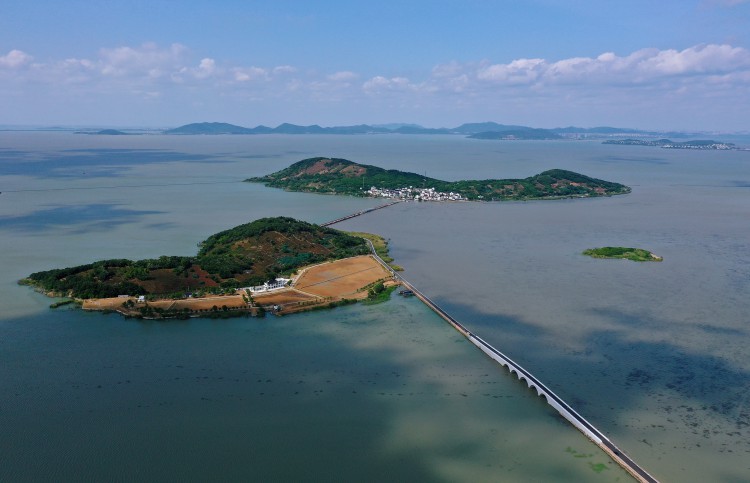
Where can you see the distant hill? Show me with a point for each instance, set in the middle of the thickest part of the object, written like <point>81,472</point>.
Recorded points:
<point>480,127</point>
<point>527,133</point>
<point>422,130</point>
<point>341,176</point>
<point>210,128</point>
<point>285,128</point>
<point>245,255</point>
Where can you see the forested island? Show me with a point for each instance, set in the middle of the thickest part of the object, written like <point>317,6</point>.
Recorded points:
<point>341,176</point>
<point>247,255</point>
<point>517,134</point>
<point>627,253</point>
<point>668,144</point>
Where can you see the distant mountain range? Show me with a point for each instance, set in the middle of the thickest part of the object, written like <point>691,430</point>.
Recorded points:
<point>481,130</point>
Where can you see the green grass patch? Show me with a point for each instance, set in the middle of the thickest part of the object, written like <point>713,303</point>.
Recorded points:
<point>379,294</point>
<point>627,253</point>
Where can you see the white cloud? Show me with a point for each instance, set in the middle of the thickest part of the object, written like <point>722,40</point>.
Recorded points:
<point>641,66</point>
<point>246,74</point>
<point>698,59</point>
<point>284,69</point>
<point>380,84</point>
<point>146,59</point>
<point>702,73</point>
<point>521,71</point>
<point>206,68</point>
<point>343,76</point>
<point>14,59</point>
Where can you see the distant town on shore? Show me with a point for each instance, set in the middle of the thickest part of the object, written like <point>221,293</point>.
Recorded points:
<point>703,144</point>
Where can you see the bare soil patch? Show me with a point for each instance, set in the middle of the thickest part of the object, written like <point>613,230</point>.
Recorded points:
<point>282,297</point>
<point>341,278</point>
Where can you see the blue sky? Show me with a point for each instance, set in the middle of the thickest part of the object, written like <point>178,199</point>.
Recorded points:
<point>547,63</point>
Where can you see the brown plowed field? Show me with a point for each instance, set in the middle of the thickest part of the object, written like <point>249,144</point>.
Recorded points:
<point>281,297</point>
<point>341,278</point>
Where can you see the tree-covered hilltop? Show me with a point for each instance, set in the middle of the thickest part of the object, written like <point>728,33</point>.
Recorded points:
<point>245,255</point>
<point>340,176</point>
<point>210,128</point>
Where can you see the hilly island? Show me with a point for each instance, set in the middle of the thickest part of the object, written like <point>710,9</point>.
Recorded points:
<point>344,177</point>
<point>247,269</point>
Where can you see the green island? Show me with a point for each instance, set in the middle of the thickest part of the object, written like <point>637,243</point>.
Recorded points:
<point>269,265</point>
<point>634,254</point>
<point>344,177</point>
<point>247,255</point>
<point>517,134</point>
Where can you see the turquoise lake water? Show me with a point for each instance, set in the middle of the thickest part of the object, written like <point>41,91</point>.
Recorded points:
<point>653,354</point>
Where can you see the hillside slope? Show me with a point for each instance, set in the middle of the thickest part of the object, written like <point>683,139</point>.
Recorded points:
<point>340,176</point>
<point>246,255</point>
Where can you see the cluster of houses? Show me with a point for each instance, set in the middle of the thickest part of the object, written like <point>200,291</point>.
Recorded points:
<point>688,145</point>
<point>266,287</point>
<point>416,194</point>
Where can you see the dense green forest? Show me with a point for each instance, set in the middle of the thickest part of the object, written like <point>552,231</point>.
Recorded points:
<point>245,255</point>
<point>340,176</point>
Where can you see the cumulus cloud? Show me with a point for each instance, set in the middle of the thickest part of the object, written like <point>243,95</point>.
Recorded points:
<point>284,69</point>
<point>343,76</point>
<point>246,74</point>
<point>147,59</point>
<point>380,84</point>
<point>639,67</point>
<point>206,68</point>
<point>14,59</point>
<point>150,71</point>
<point>521,71</point>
